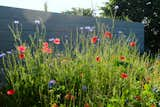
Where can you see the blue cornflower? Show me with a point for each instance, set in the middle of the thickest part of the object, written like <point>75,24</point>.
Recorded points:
<point>37,22</point>
<point>126,101</point>
<point>155,90</point>
<point>16,22</point>
<point>81,28</point>
<point>90,30</point>
<point>2,55</point>
<point>116,7</point>
<point>87,27</point>
<point>51,83</point>
<point>8,52</point>
<point>84,88</point>
<point>50,39</point>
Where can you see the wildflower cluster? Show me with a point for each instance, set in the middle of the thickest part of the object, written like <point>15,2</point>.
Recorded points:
<point>102,73</point>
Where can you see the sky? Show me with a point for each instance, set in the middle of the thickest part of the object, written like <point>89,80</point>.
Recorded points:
<point>53,5</point>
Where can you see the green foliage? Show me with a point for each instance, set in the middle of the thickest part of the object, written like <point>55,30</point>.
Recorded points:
<point>146,11</point>
<point>132,9</point>
<point>79,12</point>
<point>82,79</point>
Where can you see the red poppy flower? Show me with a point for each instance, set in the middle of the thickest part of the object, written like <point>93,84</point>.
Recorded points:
<point>138,98</point>
<point>86,105</point>
<point>108,35</point>
<point>94,39</point>
<point>56,41</point>
<point>122,58</point>
<point>148,79</point>
<point>10,92</point>
<point>132,44</point>
<point>49,50</point>
<point>124,75</point>
<point>153,105</point>
<point>45,44</point>
<point>21,48</point>
<point>21,56</point>
<point>98,59</point>
<point>46,50</point>
<point>68,96</point>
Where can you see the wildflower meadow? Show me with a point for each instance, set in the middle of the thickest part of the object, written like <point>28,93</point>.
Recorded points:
<point>99,70</point>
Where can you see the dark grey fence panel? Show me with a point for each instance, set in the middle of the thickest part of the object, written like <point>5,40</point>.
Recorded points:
<point>57,25</point>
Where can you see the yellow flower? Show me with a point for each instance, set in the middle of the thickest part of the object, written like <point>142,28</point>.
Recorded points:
<point>146,87</point>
